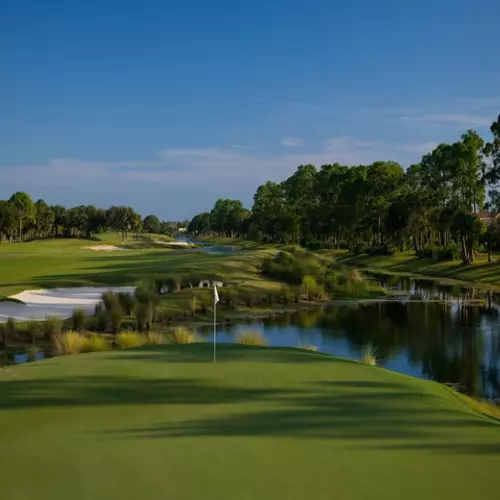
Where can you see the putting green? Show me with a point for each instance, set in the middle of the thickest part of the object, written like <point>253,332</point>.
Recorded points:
<point>263,423</point>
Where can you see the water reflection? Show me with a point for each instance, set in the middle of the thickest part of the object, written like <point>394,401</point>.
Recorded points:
<point>450,342</point>
<point>206,247</point>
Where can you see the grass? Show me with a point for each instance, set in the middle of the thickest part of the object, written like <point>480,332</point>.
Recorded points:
<point>67,263</point>
<point>251,338</point>
<point>128,340</point>
<point>369,355</point>
<point>96,343</point>
<point>154,338</point>
<point>405,263</point>
<point>164,422</point>
<point>181,336</point>
<point>69,343</point>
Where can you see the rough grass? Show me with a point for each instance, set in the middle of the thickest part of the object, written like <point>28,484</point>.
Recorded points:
<point>153,338</point>
<point>128,340</point>
<point>69,343</point>
<point>261,423</point>
<point>369,355</point>
<point>96,343</point>
<point>181,336</point>
<point>251,338</point>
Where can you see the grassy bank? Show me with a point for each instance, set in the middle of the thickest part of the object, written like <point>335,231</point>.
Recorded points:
<point>481,272</point>
<point>164,422</point>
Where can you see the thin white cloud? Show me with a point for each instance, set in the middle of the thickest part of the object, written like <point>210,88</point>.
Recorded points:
<point>450,116</point>
<point>466,120</point>
<point>292,142</point>
<point>205,166</point>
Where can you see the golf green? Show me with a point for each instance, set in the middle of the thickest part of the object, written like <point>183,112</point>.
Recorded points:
<point>263,423</point>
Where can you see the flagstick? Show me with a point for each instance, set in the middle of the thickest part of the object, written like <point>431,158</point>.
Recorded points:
<point>215,332</point>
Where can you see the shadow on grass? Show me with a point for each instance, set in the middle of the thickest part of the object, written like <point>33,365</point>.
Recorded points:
<point>363,416</point>
<point>110,391</point>
<point>202,353</point>
<point>391,415</point>
<point>129,269</point>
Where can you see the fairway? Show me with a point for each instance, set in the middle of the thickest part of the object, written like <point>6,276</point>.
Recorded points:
<point>268,423</point>
<point>68,263</point>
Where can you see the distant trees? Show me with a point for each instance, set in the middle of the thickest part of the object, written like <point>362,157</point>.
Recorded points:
<point>228,217</point>
<point>380,207</point>
<point>21,219</point>
<point>9,220</point>
<point>25,209</point>
<point>152,224</point>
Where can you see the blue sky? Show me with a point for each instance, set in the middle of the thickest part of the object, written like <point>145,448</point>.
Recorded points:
<point>168,105</point>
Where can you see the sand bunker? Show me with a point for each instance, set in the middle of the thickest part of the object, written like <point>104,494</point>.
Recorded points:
<point>104,248</point>
<point>39,304</point>
<point>173,243</point>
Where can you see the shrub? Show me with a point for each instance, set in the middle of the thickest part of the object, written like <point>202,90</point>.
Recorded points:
<point>297,295</point>
<point>358,248</point>
<point>369,355</point>
<point>116,318</point>
<point>311,348</point>
<point>330,281</point>
<point>205,300</point>
<point>292,267</point>
<point>250,297</point>
<point>127,303</point>
<point>251,338</point>
<point>447,252</point>
<point>127,340</point>
<point>52,327</point>
<point>177,283</point>
<point>3,336</point>
<point>146,293</point>
<point>144,316</point>
<point>102,321</point>
<point>78,319</point>
<point>34,330</point>
<point>355,275</point>
<point>310,287</point>
<point>193,305</point>
<point>98,308</point>
<point>153,338</point>
<point>11,328</point>
<point>110,301</point>
<point>32,350</point>
<point>96,343</point>
<point>286,294</point>
<point>181,336</point>
<point>69,343</point>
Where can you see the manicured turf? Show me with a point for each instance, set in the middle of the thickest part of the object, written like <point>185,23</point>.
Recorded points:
<point>66,263</point>
<point>481,272</point>
<point>264,423</point>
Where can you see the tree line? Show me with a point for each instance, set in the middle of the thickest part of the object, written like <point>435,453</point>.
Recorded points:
<point>434,207</point>
<point>22,219</point>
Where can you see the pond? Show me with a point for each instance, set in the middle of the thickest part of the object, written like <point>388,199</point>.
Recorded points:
<point>455,340</point>
<point>207,247</point>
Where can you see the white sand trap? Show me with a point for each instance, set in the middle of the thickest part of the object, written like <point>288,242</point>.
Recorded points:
<point>39,304</point>
<point>104,248</point>
<point>172,243</point>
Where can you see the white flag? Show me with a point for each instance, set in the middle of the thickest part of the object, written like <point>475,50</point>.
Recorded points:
<point>216,295</point>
